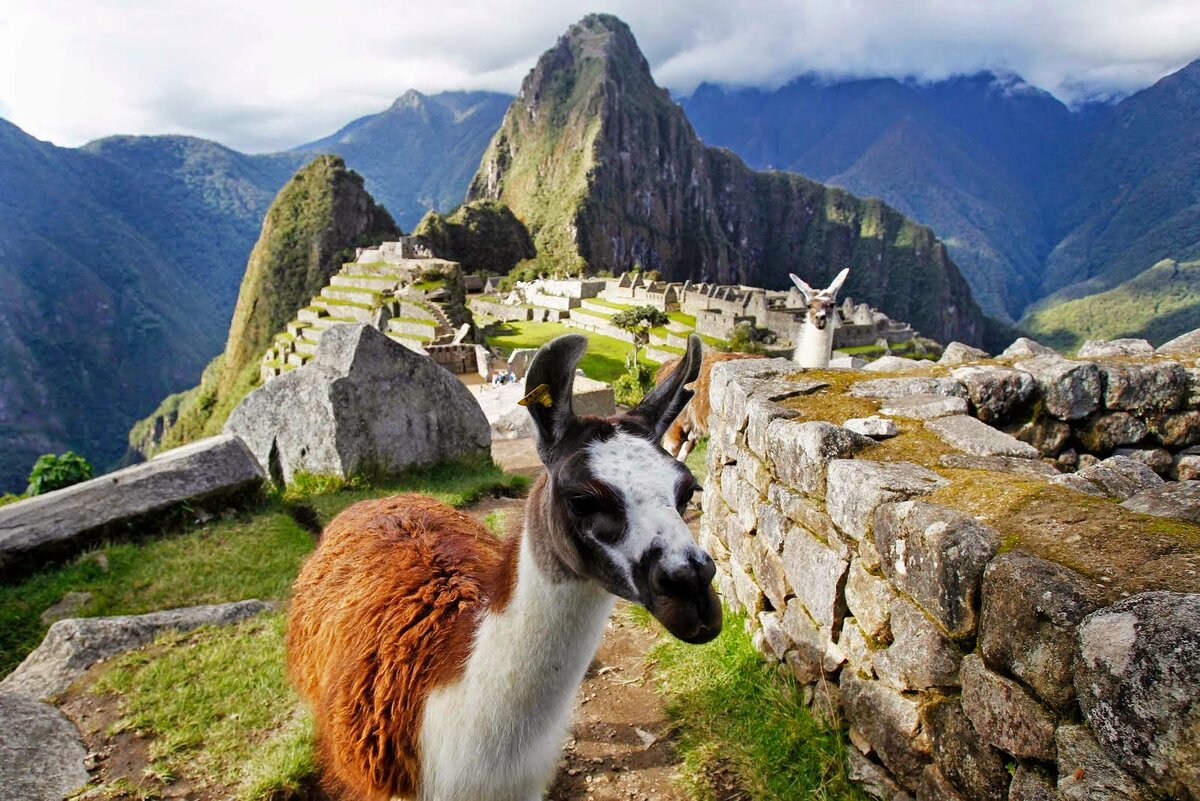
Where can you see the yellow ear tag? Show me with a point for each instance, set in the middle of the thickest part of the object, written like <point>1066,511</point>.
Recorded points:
<point>540,394</point>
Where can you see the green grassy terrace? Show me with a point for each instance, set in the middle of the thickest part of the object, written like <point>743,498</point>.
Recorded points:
<point>605,359</point>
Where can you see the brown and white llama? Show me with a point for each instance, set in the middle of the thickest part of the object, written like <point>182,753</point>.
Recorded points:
<point>440,662</point>
<point>816,333</point>
<point>692,422</point>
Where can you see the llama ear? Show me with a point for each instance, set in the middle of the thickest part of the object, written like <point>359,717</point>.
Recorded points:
<point>664,403</point>
<point>549,384</point>
<point>804,288</point>
<point>836,286</point>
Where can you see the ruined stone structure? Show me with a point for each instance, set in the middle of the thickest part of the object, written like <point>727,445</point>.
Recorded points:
<point>987,633</point>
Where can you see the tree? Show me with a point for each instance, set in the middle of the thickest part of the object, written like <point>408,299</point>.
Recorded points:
<point>638,321</point>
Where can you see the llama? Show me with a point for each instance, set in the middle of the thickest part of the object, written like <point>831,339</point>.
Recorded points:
<point>816,334</point>
<point>441,663</point>
<point>692,423</point>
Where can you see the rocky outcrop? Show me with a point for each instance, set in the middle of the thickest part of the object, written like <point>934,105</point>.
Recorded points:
<point>212,471</point>
<point>41,753</point>
<point>364,404</point>
<point>606,171</point>
<point>480,235</point>
<point>75,644</point>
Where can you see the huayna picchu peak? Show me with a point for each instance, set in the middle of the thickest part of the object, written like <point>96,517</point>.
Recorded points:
<point>607,172</point>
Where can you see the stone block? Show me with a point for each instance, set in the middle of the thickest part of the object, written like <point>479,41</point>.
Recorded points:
<point>958,353</point>
<point>1185,465</point>
<point>1103,432</point>
<point>1004,714</point>
<point>876,781</point>
<point>974,768</point>
<point>801,452</point>
<point>1157,459</point>
<point>816,574</point>
<point>856,488</point>
<point>896,364</point>
<point>75,644</point>
<point>1116,477</point>
<point>1177,429</point>
<point>760,413</point>
<point>874,427</point>
<point>1031,611</point>
<point>969,435</point>
<point>62,522</point>
<point>754,472</point>
<point>1045,433</point>
<point>923,407</point>
<point>891,723</point>
<point>773,635</point>
<point>936,787</point>
<point>869,599</point>
<point>1178,499</point>
<point>748,594</point>
<point>1029,468</point>
<point>995,392</point>
<point>1138,680</point>
<point>41,753</point>
<point>1026,348</point>
<point>936,556</point>
<point>852,642</point>
<point>1087,772</point>
<point>815,653</point>
<point>1031,784</point>
<point>1142,388</point>
<point>799,509</point>
<point>920,657</point>
<point>1070,390</point>
<point>888,388</point>
<point>1183,345</point>
<point>1117,348</point>
<point>770,573</point>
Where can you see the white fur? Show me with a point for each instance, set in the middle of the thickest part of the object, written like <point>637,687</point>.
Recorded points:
<point>497,732</point>
<point>816,344</point>
<point>634,467</point>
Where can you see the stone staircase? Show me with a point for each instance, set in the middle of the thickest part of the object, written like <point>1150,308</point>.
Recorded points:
<point>377,293</point>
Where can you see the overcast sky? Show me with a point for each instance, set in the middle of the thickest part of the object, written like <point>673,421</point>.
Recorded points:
<point>267,74</point>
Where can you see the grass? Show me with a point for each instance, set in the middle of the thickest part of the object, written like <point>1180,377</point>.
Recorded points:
<point>218,708</point>
<point>429,286</point>
<point>604,361</point>
<point>697,460</point>
<point>684,319</point>
<point>734,714</point>
<point>254,554</point>
<point>417,320</point>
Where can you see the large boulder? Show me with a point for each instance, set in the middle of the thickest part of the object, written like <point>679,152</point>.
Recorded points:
<point>1069,389</point>
<point>995,392</point>
<point>1183,345</point>
<point>363,404</point>
<point>958,353</point>
<point>41,753</point>
<point>73,645</point>
<point>1026,348</point>
<point>68,520</point>
<point>1138,683</point>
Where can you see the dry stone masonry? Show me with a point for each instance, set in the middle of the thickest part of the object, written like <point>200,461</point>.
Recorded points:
<point>987,630</point>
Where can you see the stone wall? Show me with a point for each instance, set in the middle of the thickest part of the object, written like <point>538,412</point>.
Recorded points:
<point>985,634</point>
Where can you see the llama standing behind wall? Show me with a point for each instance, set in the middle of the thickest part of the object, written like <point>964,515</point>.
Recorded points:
<point>821,320</point>
<point>692,423</point>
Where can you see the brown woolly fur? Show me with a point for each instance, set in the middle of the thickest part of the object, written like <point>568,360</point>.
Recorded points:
<point>382,613</point>
<point>694,418</point>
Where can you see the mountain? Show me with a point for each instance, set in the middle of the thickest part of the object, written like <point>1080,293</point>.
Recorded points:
<point>420,153</point>
<point>1157,304</point>
<point>481,235</point>
<point>310,230</point>
<point>606,170</point>
<point>967,156</point>
<point>108,299</point>
<point>1130,197</point>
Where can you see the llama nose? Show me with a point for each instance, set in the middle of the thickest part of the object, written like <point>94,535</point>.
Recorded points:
<point>692,576</point>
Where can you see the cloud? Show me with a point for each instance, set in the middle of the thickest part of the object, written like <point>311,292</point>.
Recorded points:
<point>270,74</point>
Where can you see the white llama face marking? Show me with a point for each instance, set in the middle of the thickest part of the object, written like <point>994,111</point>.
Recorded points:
<point>821,302</point>
<point>625,498</point>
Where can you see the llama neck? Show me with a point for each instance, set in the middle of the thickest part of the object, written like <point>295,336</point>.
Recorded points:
<point>504,722</point>
<point>816,345</point>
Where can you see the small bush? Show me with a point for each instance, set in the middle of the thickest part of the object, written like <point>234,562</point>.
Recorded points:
<point>745,339</point>
<point>52,472</point>
<point>8,498</point>
<point>630,387</point>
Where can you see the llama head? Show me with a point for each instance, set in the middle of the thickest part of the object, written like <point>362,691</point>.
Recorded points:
<point>616,498</point>
<point>821,302</point>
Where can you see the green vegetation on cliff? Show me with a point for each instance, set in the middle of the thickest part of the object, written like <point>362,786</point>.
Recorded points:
<point>607,173</point>
<point>1157,305</point>
<point>480,235</point>
<point>310,230</point>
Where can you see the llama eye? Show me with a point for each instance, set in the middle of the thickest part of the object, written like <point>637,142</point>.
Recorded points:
<point>585,505</point>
